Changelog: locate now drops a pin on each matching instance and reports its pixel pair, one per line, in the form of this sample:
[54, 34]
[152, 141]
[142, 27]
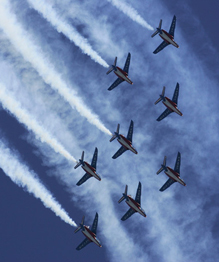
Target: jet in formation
[167, 37]
[126, 142]
[170, 104]
[90, 234]
[121, 73]
[89, 169]
[135, 205]
[174, 175]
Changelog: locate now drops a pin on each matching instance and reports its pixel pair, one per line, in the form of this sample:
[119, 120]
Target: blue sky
[38, 62]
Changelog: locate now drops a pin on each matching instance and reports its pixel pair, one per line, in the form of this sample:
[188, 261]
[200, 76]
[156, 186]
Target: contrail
[20, 175]
[25, 118]
[34, 55]
[130, 12]
[62, 26]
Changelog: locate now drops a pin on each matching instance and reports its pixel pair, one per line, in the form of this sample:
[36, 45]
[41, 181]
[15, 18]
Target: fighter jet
[135, 205]
[167, 37]
[170, 104]
[90, 234]
[89, 169]
[174, 175]
[125, 142]
[122, 74]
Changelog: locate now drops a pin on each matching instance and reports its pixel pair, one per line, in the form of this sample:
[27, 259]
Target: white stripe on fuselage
[123, 142]
[168, 39]
[120, 74]
[168, 104]
[89, 171]
[132, 205]
[88, 235]
[170, 174]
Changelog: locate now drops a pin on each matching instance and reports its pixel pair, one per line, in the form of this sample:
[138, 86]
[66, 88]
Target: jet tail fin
[114, 136]
[81, 224]
[159, 27]
[79, 163]
[162, 167]
[159, 99]
[125, 194]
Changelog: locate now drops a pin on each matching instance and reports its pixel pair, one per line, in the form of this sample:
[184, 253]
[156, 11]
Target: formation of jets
[126, 143]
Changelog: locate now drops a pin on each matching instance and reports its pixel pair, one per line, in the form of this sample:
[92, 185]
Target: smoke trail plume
[20, 175]
[23, 117]
[62, 26]
[131, 13]
[34, 55]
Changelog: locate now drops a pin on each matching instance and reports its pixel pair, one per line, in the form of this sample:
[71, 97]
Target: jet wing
[129, 213]
[176, 94]
[130, 132]
[94, 160]
[172, 27]
[119, 152]
[164, 114]
[95, 223]
[161, 47]
[83, 179]
[169, 182]
[83, 244]
[116, 83]
[127, 63]
[177, 165]
[138, 194]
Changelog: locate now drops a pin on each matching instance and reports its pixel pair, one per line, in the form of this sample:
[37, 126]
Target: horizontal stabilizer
[115, 61]
[110, 70]
[158, 100]
[160, 24]
[112, 138]
[155, 33]
[163, 92]
[78, 164]
[164, 161]
[117, 130]
[126, 190]
[160, 170]
[121, 199]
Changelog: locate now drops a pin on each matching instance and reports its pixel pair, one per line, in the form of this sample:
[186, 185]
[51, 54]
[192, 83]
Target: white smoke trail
[23, 117]
[20, 175]
[62, 26]
[34, 55]
[131, 13]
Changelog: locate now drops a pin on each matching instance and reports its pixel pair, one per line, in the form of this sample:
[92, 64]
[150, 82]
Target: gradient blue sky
[182, 222]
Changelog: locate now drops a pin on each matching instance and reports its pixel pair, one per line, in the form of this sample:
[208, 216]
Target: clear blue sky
[182, 222]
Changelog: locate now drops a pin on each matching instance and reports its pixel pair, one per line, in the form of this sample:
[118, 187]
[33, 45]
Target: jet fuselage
[171, 105]
[90, 170]
[91, 236]
[122, 75]
[174, 175]
[126, 143]
[168, 38]
[135, 206]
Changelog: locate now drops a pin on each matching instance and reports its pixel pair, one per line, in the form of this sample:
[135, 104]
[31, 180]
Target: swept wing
[130, 132]
[94, 160]
[127, 63]
[138, 194]
[116, 83]
[176, 94]
[119, 152]
[164, 114]
[172, 27]
[161, 47]
[177, 164]
[128, 214]
[85, 242]
[95, 224]
[83, 179]
[169, 182]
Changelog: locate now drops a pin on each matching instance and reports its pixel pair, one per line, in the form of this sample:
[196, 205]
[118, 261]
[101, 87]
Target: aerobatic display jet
[89, 233]
[170, 104]
[89, 169]
[135, 205]
[126, 142]
[174, 175]
[121, 73]
[167, 37]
